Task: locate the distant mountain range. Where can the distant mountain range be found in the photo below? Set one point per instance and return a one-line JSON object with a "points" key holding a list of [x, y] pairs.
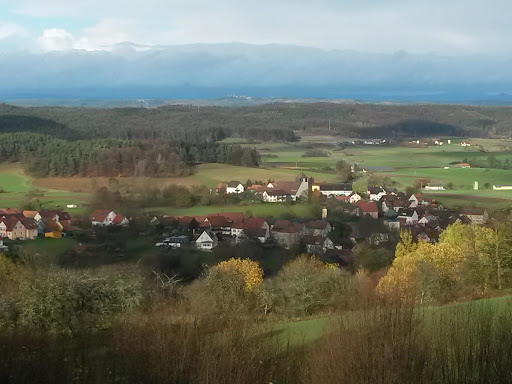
{"points": [[263, 73]]}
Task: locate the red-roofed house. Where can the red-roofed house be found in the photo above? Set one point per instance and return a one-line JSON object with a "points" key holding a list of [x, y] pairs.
{"points": [[105, 217], [368, 209], [120, 220], [18, 228]]}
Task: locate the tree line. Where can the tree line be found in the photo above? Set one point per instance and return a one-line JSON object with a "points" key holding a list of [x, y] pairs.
{"points": [[44, 155]]}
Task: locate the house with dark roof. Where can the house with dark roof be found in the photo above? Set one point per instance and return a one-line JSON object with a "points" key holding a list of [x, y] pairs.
{"points": [[317, 244], [234, 187], [286, 233], [14, 228], [332, 189], [477, 216], [375, 193], [257, 234], [317, 228], [207, 241], [286, 190]]}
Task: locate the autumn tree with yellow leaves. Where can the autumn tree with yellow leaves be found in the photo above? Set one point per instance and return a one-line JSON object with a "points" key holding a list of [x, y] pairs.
{"points": [[230, 285], [472, 257]]}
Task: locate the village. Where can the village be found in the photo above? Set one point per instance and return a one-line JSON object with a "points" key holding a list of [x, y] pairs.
{"points": [[371, 217]]}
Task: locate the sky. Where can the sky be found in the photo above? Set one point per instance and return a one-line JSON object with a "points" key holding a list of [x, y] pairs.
{"points": [[232, 44], [447, 27]]}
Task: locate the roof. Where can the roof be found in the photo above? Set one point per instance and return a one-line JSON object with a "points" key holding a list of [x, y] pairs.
{"points": [[233, 184], [463, 165], [288, 228], [28, 223], [435, 184], [368, 207], [288, 187], [10, 222], [375, 190], [9, 211], [335, 186], [47, 213], [254, 222], [205, 235], [473, 211], [217, 221], [276, 192], [118, 219], [99, 214], [255, 232], [256, 188], [221, 185], [301, 175], [30, 214], [314, 240], [230, 216], [316, 224]]}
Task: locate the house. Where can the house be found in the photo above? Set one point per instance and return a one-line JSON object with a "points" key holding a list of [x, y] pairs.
{"points": [[463, 165], [52, 229], [368, 209], [331, 190], [294, 189], [3, 248], [102, 217], [207, 241], [465, 144], [287, 234], [175, 241], [498, 187], [275, 196], [15, 228], [234, 187], [45, 217], [435, 187], [375, 193], [317, 244], [219, 225], [317, 228], [416, 199], [476, 215], [393, 202], [120, 220], [258, 234]]}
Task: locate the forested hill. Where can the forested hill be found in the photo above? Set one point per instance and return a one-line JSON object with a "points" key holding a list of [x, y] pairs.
{"points": [[267, 122]]}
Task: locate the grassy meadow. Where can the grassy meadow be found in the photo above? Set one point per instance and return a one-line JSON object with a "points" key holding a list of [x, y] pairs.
{"points": [[15, 185], [282, 161]]}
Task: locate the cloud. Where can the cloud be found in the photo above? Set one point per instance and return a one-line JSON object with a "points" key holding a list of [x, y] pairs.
{"points": [[447, 27], [55, 39]]}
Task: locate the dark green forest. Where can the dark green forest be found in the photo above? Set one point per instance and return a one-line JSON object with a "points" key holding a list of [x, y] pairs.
{"points": [[169, 140], [44, 155]]}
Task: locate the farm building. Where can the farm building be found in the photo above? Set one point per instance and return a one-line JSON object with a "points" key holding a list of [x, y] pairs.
{"points": [[498, 187], [329, 190], [234, 187], [435, 187]]}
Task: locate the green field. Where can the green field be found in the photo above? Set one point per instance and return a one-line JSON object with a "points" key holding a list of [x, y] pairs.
{"points": [[310, 330], [410, 164], [16, 184]]}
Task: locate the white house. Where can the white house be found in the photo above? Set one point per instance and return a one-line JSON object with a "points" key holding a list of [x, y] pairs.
{"points": [[338, 189], [207, 241], [102, 217], [234, 187], [376, 193], [354, 198]]}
